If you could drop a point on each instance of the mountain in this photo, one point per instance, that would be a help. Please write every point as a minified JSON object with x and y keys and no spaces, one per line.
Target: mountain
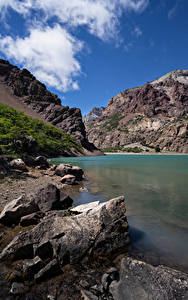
{"x":153,"y":115}
{"x":93,"y":114}
{"x":22,"y":91}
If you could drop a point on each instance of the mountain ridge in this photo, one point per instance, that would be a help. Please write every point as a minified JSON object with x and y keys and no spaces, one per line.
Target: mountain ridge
{"x":154,"y":114}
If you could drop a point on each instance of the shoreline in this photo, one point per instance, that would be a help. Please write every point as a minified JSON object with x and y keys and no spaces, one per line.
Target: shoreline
{"x":146,"y":153}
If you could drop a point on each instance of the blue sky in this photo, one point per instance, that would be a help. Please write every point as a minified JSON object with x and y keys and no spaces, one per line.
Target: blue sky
{"x":87,"y":51}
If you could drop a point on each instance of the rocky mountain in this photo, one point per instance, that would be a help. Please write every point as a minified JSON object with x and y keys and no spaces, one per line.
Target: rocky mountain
{"x":153,"y":115}
{"x":93,"y":114}
{"x":22,"y":91}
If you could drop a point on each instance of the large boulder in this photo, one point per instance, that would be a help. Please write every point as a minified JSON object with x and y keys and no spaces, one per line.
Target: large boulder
{"x":42,"y":162}
{"x":51,"y":198}
{"x":18,"y":164}
{"x":103,"y":230}
{"x":16,"y":209}
{"x":139,"y":280}
{"x":67,"y":169}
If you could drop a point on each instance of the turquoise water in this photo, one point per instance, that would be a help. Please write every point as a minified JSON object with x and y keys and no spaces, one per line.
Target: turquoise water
{"x":156,"y":196}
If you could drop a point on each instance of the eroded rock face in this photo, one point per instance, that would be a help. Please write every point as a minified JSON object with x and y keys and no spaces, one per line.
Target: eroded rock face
{"x":45,"y":104}
{"x":155,"y":114}
{"x":103,"y":230}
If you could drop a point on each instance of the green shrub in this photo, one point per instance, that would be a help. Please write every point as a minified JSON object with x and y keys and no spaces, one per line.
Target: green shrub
{"x":112,"y":122}
{"x":15,"y":125}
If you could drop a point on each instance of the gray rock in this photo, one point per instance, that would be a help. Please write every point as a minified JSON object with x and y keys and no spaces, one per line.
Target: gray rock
{"x":16,"y":209}
{"x":32,"y":266}
{"x":69,"y":179}
{"x":50,"y":270}
{"x":17,"y":288}
{"x":67,"y":169}
{"x":18,"y":164}
{"x":42,"y":162}
{"x":85,"y":207}
{"x":104,"y":229}
{"x":139,"y":280}
{"x":31,"y":219}
{"x":111,"y":275}
{"x":51,"y":198}
{"x":87,"y":295}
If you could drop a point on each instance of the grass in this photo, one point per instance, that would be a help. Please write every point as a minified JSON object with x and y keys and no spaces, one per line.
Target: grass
{"x":15,"y":126}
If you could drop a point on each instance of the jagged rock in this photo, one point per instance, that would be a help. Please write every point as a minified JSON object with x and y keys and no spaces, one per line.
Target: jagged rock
{"x":51,"y":198}
{"x":111,"y":275}
{"x":18,"y":288}
{"x":32,"y":266}
{"x":50,"y":270}
{"x":102,"y":230}
{"x":139,"y":280}
{"x":85,"y":207}
{"x":16,"y":209}
{"x":93,"y":114}
{"x":31,"y":219}
{"x":42,"y":162}
{"x":87,"y":295}
{"x":18,"y":164}
{"x":68,"y":179}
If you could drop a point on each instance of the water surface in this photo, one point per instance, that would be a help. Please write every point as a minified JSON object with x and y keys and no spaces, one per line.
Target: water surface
{"x":156,"y":195}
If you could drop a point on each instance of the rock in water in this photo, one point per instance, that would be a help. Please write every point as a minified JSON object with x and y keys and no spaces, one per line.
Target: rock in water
{"x":103,"y":230}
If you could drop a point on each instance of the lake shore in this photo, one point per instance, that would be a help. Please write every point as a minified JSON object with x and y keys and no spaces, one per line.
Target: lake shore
{"x":144,"y":153}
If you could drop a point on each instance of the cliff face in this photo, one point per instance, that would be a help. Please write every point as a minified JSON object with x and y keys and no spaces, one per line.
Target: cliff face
{"x":93,"y":114}
{"x":155,"y":114}
{"x":21,"y":90}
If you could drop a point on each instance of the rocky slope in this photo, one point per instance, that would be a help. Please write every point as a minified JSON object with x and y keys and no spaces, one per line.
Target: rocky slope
{"x":93,"y":114}
{"x":21,"y":90}
{"x":154,"y":115}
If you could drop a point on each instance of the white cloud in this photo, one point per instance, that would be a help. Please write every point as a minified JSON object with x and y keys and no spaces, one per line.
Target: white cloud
{"x":137,"y":31}
{"x":49,"y":53}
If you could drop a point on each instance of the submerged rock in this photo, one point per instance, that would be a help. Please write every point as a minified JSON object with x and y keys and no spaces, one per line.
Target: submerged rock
{"x":67,"y":169}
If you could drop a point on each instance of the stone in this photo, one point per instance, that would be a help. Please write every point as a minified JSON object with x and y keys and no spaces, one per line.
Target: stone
{"x":111,"y":275}
{"x":31,"y":219}
{"x":32,"y":266}
{"x":139,"y":280}
{"x":104,"y":230}
{"x":17,"y":288}
{"x":69,"y":179}
{"x":18,"y":164}
{"x":63,"y":169}
{"x":51,"y":198}
{"x":67,"y":169}
{"x":4,"y":167}
{"x":87,"y":295}
{"x":85,"y":207}
{"x":29,"y":161}
{"x":50,"y":270}
{"x":42,"y":162}
{"x":16,"y":209}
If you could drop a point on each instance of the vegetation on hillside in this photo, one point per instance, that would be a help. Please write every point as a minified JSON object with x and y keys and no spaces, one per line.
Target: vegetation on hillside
{"x":18,"y":130}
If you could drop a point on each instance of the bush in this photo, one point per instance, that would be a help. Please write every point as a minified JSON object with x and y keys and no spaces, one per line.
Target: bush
{"x":15,"y":126}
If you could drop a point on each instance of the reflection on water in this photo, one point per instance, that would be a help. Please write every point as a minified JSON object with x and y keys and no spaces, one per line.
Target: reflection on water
{"x":156,"y":193}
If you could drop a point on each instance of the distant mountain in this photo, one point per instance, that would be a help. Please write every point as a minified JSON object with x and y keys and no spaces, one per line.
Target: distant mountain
{"x":154,"y":115}
{"x":22,"y":91}
{"x":93,"y":114}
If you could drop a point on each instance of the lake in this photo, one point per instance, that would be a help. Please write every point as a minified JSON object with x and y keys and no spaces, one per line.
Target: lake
{"x":156,"y":196}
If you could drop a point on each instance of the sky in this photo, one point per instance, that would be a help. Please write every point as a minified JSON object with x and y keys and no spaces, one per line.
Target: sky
{"x":87,"y":51}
